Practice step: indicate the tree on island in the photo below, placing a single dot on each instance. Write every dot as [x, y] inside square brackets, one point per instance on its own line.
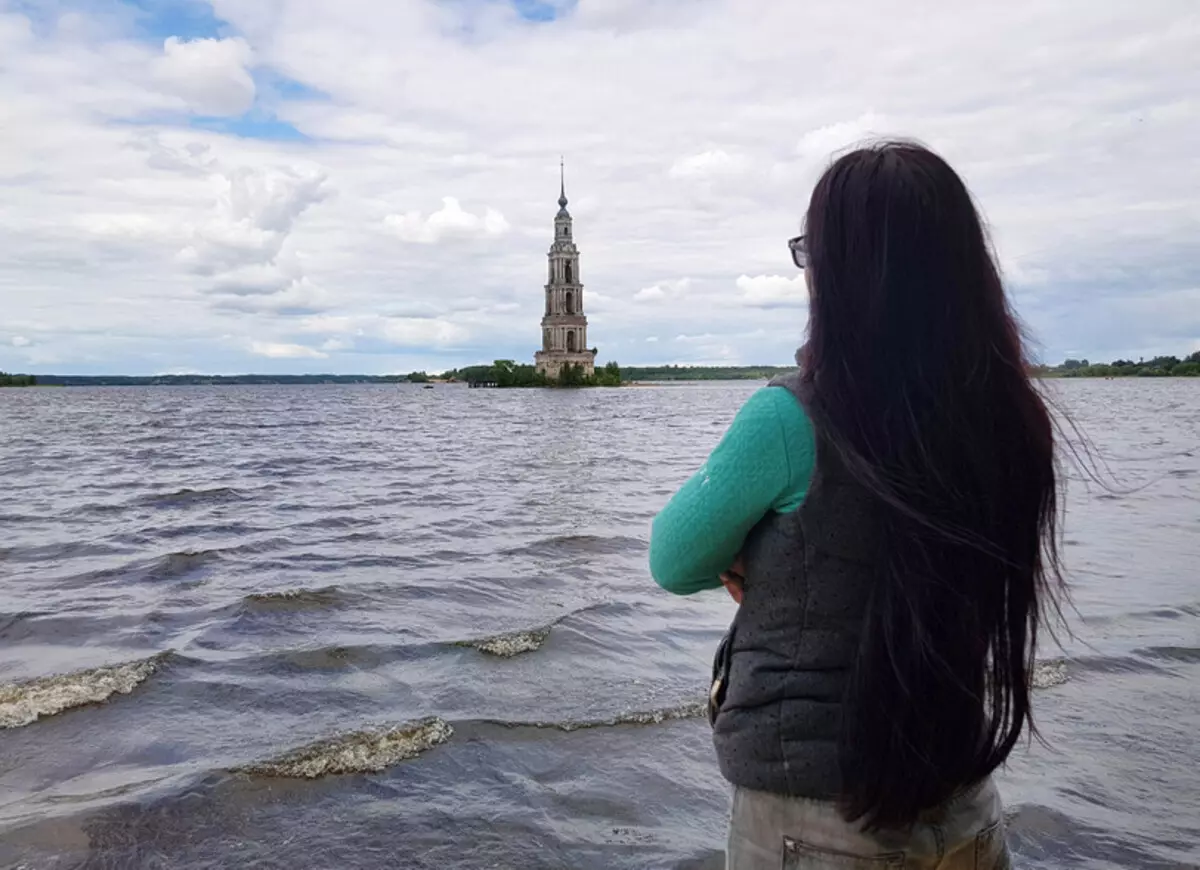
[571, 375]
[7, 380]
[508, 373]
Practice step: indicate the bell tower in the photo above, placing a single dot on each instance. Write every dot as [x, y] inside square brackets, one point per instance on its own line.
[564, 324]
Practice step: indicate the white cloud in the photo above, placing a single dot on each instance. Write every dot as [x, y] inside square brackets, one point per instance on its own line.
[664, 290]
[210, 75]
[707, 163]
[773, 291]
[417, 332]
[276, 350]
[20, 341]
[829, 139]
[448, 221]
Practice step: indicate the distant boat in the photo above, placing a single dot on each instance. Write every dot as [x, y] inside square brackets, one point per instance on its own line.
[428, 387]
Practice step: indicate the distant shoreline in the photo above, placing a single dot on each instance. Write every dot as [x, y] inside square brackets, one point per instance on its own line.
[632, 376]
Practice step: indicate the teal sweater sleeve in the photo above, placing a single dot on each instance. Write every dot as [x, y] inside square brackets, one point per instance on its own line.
[763, 463]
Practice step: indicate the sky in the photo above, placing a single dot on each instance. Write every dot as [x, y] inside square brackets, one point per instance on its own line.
[230, 186]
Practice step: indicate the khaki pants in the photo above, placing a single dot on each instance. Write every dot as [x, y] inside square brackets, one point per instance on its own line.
[774, 832]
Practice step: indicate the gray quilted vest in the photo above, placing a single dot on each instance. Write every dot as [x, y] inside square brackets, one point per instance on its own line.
[796, 635]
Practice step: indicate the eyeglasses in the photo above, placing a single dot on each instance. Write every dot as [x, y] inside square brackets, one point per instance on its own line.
[799, 248]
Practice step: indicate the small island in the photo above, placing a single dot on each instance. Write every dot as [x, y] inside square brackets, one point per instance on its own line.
[508, 373]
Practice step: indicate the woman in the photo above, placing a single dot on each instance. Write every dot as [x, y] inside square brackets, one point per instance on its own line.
[892, 511]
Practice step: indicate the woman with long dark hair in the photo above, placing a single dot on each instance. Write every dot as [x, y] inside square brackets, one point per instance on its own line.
[886, 519]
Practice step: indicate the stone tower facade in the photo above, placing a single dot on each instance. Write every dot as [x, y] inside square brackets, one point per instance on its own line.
[564, 325]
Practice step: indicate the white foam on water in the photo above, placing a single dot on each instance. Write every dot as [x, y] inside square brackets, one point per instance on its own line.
[368, 751]
[629, 717]
[512, 643]
[649, 717]
[23, 703]
[1048, 674]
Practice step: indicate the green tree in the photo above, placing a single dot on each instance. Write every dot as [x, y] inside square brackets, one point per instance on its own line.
[571, 375]
[504, 372]
[1166, 363]
[609, 376]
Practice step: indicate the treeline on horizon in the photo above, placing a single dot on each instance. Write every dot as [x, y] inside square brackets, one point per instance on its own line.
[510, 373]
[208, 380]
[1158, 367]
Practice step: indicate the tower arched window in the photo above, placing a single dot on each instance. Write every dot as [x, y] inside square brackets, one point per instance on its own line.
[569, 302]
[569, 271]
[570, 341]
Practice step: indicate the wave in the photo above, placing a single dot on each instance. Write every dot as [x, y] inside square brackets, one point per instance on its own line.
[510, 644]
[1186, 654]
[1179, 611]
[26, 702]
[367, 751]
[1101, 664]
[690, 710]
[175, 565]
[372, 750]
[11, 620]
[187, 496]
[568, 545]
[514, 643]
[171, 566]
[293, 599]
[98, 509]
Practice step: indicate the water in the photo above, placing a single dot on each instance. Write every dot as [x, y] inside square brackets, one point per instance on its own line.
[384, 626]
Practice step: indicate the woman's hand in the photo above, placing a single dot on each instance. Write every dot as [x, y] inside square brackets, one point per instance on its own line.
[734, 579]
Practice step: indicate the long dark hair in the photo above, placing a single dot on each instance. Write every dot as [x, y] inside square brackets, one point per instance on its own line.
[917, 377]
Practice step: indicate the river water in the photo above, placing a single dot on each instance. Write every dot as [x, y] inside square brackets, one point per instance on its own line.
[337, 627]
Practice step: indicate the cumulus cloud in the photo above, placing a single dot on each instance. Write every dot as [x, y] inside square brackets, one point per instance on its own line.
[447, 222]
[20, 341]
[276, 350]
[708, 163]
[841, 135]
[419, 332]
[773, 291]
[663, 290]
[240, 248]
[211, 76]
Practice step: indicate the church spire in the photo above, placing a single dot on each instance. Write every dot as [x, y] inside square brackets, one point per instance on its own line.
[562, 195]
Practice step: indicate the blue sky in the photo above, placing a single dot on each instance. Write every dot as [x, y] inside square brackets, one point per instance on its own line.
[241, 185]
